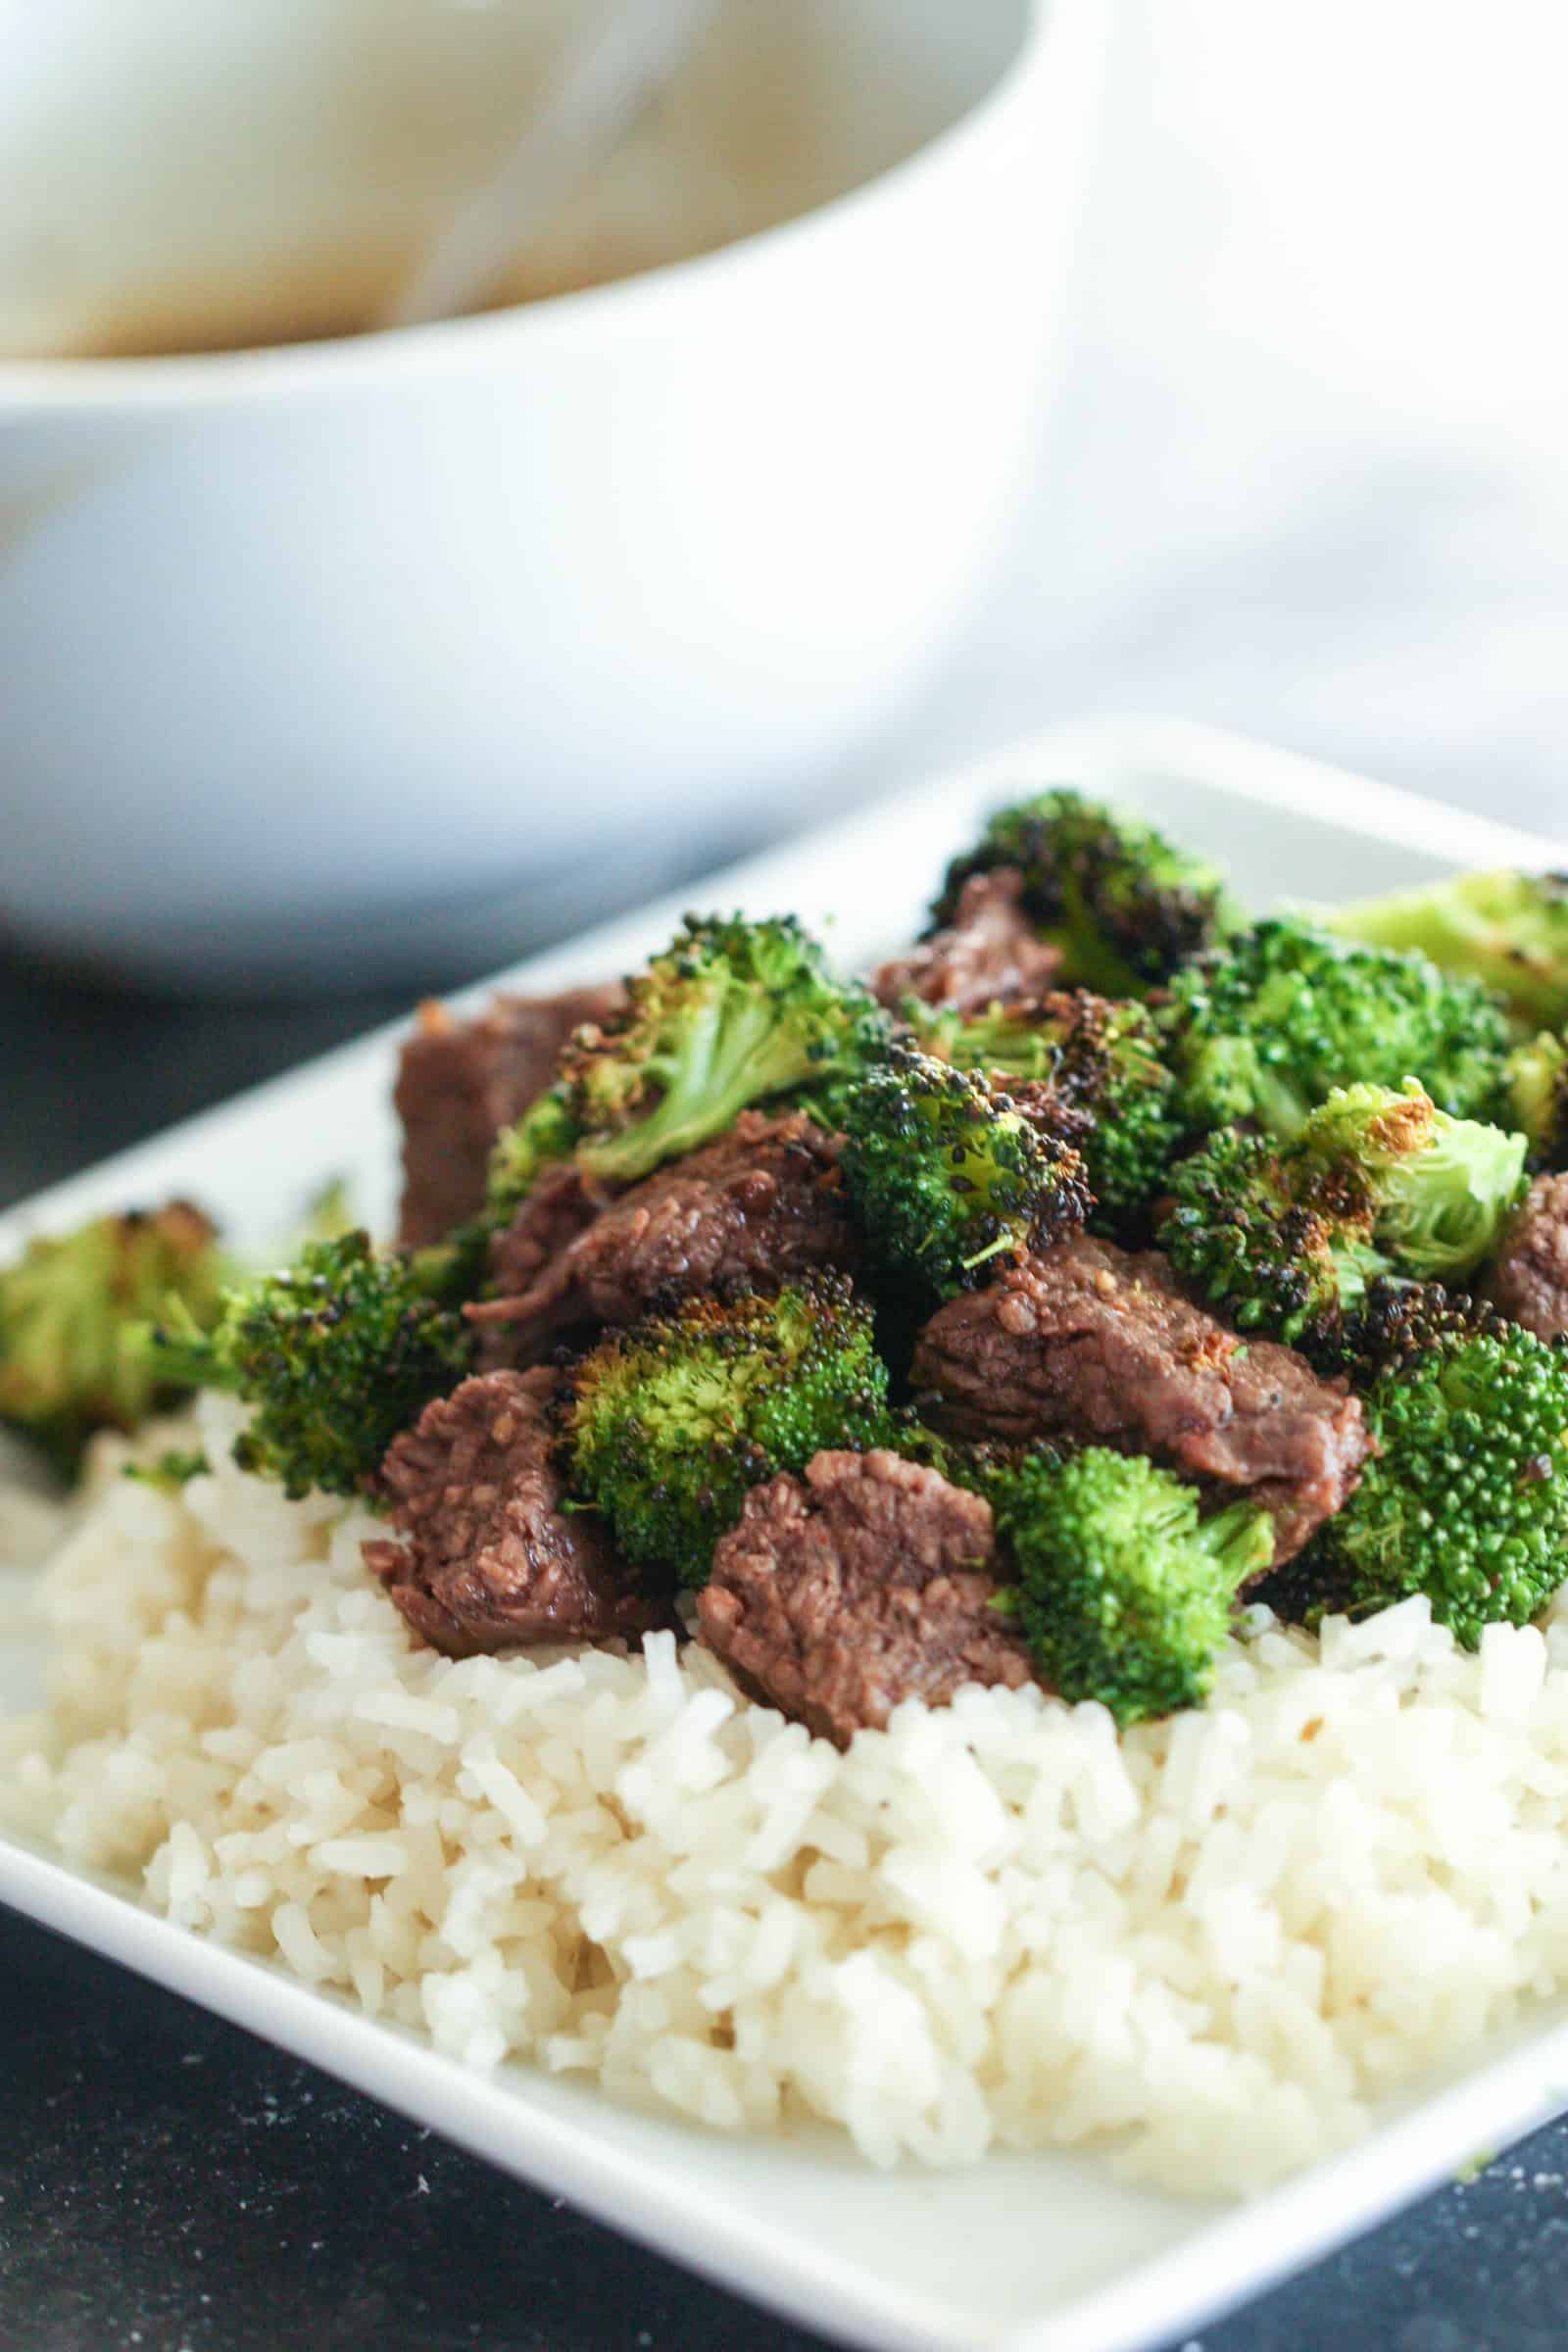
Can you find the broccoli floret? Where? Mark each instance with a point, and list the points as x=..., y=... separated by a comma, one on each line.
x=1124, y=1594
x=1506, y=929
x=672, y=1422
x=977, y=1463
x=548, y=1131
x=944, y=1176
x=1259, y=1031
x=1124, y=907
x=1535, y=1098
x=1439, y=1189
x=1106, y=1089
x=733, y=1013
x=336, y=1354
x=1288, y=1237
x=1399, y=1319
x=1466, y=1498
x=69, y=1307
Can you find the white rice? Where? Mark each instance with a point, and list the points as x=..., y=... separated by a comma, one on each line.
x=1208, y=1946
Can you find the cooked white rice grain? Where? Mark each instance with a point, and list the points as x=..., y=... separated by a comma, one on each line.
x=1207, y=1945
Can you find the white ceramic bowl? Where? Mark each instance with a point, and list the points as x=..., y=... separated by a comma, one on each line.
x=310, y=653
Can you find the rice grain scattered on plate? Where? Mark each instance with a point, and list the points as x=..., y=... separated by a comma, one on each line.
x=1207, y=1945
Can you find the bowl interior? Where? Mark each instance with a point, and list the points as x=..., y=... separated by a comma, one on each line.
x=186, y=178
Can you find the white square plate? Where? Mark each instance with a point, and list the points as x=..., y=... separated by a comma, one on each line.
x=1039, y=2254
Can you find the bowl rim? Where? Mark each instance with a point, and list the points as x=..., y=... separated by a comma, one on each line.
x=60, y=386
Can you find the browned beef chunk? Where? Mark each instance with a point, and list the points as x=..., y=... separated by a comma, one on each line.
x=488, y=1559
x=866, y=1583
x=558, y=1208
x=991, y=950
x=461, y=1082
x=1102, y=1345
x=766, y=1201
x=1529, y=1282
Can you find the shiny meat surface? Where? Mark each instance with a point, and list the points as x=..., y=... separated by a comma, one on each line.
x=1103, y=1346
x=764, y=1201
x=867, y=1582
x=991, y=950
x=1529, y=1282
x=461, y=1082
x=487, y=1559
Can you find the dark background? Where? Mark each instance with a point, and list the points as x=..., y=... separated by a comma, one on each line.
x=169, y=2184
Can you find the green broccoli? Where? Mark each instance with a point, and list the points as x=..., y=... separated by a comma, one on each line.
x=1288, y=1237
x=732, y=1013
x=172, y=1471
x=336, y=1354
x=1466, y=1498
x=548, y=1131
x=944, y=1176
x=1106, y=1089
x=68, y=1309
x=1535, y=1096
x=1124, y=907
x=672, y=1422
x=1506, y=929
x=1259, y=1031
x=1399, y=1319
x=1124, y=1593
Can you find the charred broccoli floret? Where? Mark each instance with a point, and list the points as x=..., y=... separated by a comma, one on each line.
x=1125, y=1595
x=1399, y=1320
x=1124, y=907
x=1466, y=1498
x=1260, y=1031
x=944, y=1176
x=69, y=1308
x=1288, y=1236
x=336, y=1354
x=1506, y=929
x=1535, y=1096
x=732, y=1013
x=548, y=1131
x=1106, y=1089
x=978, y=1463
x=672, y=1422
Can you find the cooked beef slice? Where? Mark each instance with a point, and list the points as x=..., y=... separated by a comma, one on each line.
x=1103, y=1346
x=1529, y=1282
x=867, y=1582
x=488, y=1558
x=991, y=950
x=461, y=1082
x=766, y=1201
x=558, y=1208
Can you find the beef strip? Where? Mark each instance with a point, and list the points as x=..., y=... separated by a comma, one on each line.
x=1103, y=1346
x=1529, y=1282
x=488, y=1558
x=766, y=1201
x=461, y=1082
x=990, y=952
x=866, y=1583
x=558, y=1208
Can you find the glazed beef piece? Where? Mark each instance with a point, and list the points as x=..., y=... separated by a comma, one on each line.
x=867, y=1582
x=1529, y=1282
x=991, y=950
x=461, y=1082
x=1103, y=1346
x=488, y=1559
x=766, y=1201
x=558, y=1208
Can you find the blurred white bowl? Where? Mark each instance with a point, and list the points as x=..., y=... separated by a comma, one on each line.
x=312, y=652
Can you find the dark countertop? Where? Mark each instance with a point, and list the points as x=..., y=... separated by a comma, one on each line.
x=169, y=2184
